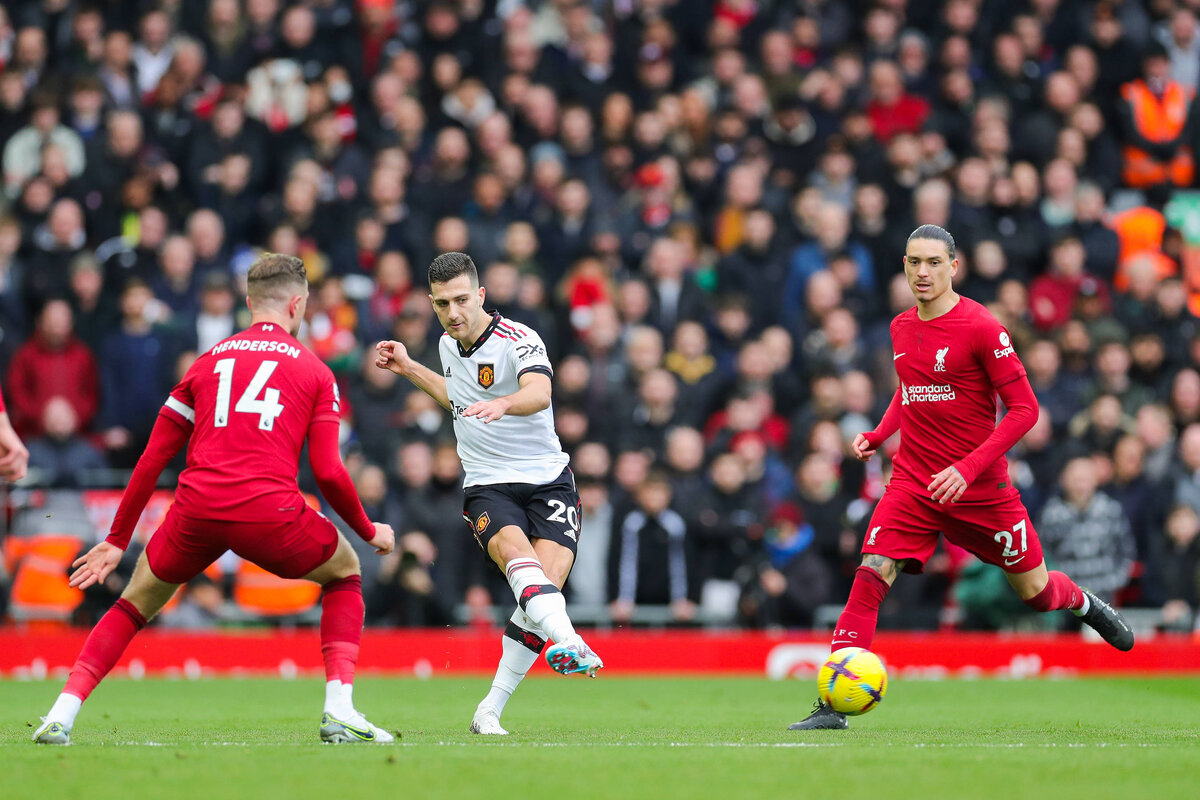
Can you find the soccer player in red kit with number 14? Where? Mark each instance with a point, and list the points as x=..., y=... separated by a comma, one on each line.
x=245, y=409
x=950, y=475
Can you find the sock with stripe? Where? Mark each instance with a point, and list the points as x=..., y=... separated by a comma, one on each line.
x=540, y=599
x=856, y=626
x=522, y=643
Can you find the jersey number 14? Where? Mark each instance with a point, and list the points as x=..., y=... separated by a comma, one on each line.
x=267, y=406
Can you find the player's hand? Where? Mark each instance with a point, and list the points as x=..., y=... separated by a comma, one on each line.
x=948, y=485
x=488, y=410
x=384, y=540
x=391, y=355
x=95, y=565
x=14, y=457
x=862, y=448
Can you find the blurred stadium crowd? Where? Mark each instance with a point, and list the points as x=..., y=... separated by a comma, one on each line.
x=701, y=205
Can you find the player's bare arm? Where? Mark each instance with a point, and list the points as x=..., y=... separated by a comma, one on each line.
x=392, y=355
x=14, y=457
x=532, y=397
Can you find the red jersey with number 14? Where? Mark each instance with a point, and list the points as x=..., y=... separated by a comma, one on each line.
x=252, y=399
x=949, y=370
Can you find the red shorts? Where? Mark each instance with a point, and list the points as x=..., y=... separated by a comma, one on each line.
x=906, y=525
x=183, y=547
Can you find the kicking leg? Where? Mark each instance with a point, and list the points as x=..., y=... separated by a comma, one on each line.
x=1043, y=590
x=856, y=626
x=541, y=601
x=522, y=643
x=342, y=612
x=138, y=604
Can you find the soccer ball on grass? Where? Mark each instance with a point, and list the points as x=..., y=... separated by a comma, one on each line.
x=852, y=681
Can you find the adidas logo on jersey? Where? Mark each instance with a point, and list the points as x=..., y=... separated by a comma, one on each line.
x=447, y=375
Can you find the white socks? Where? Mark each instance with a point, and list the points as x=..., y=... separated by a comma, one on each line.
x=514, y=663
x=339, y=699
x=545, y=607
x=64, y=710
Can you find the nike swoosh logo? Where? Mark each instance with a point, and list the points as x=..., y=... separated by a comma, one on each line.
x=1008, y=563
x=365, y=734
x=897, y=355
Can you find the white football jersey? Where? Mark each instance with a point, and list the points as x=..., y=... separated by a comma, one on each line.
x=512, y=449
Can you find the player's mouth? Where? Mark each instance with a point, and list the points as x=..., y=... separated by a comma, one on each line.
x=923, y=287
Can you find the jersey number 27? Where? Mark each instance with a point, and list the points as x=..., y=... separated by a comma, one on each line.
x=267, y=407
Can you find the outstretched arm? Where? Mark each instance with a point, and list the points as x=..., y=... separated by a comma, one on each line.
x=333, y=480
x=392, y=355
x=865, y=444
x=169, y=436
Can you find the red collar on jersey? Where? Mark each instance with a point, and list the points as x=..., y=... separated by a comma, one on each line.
x=483, y=337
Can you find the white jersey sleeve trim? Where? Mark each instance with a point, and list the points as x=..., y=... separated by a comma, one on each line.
x=180, y=408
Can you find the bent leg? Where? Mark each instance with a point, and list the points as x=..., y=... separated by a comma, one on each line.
x=1043, y=590
x=537, y=595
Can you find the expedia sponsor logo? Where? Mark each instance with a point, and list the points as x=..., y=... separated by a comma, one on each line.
x=1005, y=349
x=932, y=393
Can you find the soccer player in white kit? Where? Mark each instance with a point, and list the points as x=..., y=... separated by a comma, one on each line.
x=520, y=497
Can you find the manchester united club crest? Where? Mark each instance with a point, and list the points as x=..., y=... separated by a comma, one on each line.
x=482, y=523
x=487, y=375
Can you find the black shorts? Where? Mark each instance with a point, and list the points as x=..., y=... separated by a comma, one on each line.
x=542, y=510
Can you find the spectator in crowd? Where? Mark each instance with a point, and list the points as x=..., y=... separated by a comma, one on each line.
x=52, y=363
x=791, y=581
x=651, y=560
x=1086, y=531
x=1154, y=111
x=59, y=457
x=1177, y=573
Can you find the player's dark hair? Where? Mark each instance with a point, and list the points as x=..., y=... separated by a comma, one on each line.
x=937, y=233
x=449, y=266
x=275, y=276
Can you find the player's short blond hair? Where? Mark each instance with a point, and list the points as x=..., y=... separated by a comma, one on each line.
x=275, y=277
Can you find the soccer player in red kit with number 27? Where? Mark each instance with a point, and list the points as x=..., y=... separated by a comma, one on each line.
x=950, y=475
x=245, y=408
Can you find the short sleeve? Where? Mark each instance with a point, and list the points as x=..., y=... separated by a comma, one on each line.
x=181, y=402
x=528, y=354
x=327, y=407
x=994, y=348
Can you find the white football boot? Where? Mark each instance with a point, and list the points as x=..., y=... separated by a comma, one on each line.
x=52, y=733
x=487, y=722
x=353, y=729
x=573, y=656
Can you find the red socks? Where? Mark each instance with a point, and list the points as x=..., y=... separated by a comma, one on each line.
x=342, y=613
x=104, y=647
x=856, y=626
x=1060, y=592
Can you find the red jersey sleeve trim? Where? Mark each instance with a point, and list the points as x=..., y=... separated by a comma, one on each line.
x=1021, y=415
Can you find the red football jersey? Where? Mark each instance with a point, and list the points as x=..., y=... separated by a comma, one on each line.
x=252, y=399
x=949, y=369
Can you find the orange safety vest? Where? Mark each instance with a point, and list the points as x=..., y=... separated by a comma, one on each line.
x=1157, y=120
x=40, y=566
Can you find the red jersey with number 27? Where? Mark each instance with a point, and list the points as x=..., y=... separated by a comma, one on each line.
x=949, y=370
x=252, y=399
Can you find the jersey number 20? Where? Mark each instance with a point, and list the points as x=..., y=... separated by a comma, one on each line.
x=267, y=407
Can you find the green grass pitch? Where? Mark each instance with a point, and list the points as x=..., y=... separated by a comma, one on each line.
x=614, y=737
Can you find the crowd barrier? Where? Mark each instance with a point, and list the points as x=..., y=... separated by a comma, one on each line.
x=454, y=651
